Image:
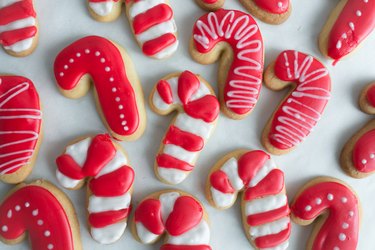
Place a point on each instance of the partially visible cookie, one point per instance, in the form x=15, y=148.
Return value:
x=335, y=210
x=42, y=211
x=105, y=10
x=358, y=155
x=175, y=214
x=269, y=11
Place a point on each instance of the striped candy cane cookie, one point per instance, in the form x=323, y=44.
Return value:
x=118, y=92
x=18, y=27
x=334, y=208
x=240, y=73
x=177, y=214
x=110, y=178
x=198, y=110
x=44, y=213
x=301, y=110
x=265, y=209
x=20, y=128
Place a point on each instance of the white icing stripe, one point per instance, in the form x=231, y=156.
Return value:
x=222, y=200
x=142, y=6
x=194, y=126
x=18, y=24
x=157, y=31
x=109, y=234
x=230, y=167
x=65, y=181
x=274, y=227
x=78, y=151
x=198, y=235
x=102, y=8
x=269, y=165
x=174, y=176
x=144, y=235
x=167, y=201
x=168, y=51
x=5, y=3
x=103, y=204
x=180, y=153
x=20, y=45
x=266, y=204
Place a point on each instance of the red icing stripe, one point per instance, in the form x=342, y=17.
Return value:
x=370, y=96
x=165, y=91
x=273, y=240
x=100, y=220
x=16, y=11
x=149, y=214
x=8, y=38
x=273, y=183
x=67, y=165
x=154, y=16
x=267, y=217
x=156, y=45
x=186, y=140
x=188, y=84
x=167, y=161
x=219, y=180
x=115, y=183
x=250, y=163
x=206, y=108
x=185, y=247
x=187, y=213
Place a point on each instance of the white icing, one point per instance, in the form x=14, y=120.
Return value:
x=269, y=165
x=65, y=181
x=102, y=8
x=157, y=31
x=78, y=151
x=108, y=234
x=21, y=45
x=274, y=227
x=230, y=167
x=145, y=235
x=198, y=235
x=5, y=3
x=180, y=153
x=167, y=201
x=117, y=162
x=142, y=6
x=168, y=51
x=221, y=199
x=18, y=24
x=174, y=176
x=103, y=204
x=266, y=204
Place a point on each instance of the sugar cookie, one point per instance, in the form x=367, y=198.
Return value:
x=210, y=5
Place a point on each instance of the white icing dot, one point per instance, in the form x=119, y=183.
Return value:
x=102, y=60
x=372, y=156
x=330, y=197
x=351, y=25
x=87, y=51
x=66, y=67
x=289, y=100
x=358, y=13
x=351, y=213
x=107, y=69
x=1, y=81
x=9, y=214
x=35, y=212
x=123, y=123
x=339, y=45
x=120, y=107
x=344, y=200
x=111, y=79
x=78, y=54
x=71, y=60
x=298, y=116
x=27, y=204
x=117, y=99
x=122, y=116
x=61, y=74
x=345, y=225
x=40, y=222
x=114, y=89
x=318, y=201
x=47, y=233
x=344, y=36
x=126, y=128
x=280, y=4
x=17, y=208
x=50, y=246
x=308, y=208
x=366, y=1
x=336, y=248
x=97, y=53
x=4, y=228
x=364, y=161
x=342, y=237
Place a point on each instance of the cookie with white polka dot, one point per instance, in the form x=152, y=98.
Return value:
x=42, y=211
x=335, y=210
x=358, y=156
x=117, y=89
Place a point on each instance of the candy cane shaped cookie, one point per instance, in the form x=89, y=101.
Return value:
x=265, y=209
x=105, y=165
x=105, y=10
x=234, y=38
x=153, y=26
x=198, y=110
x=118, y=91
x=269, y=11
x=300, y=111
x=42, y=211
x=174, y=213
x=358, y=156
x=20, y=128
x=210, y=5
x=348, y=25
x=335, y=210
x=18, y=27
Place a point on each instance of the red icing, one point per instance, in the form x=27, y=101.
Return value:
x=104, y=219
x=154, y=16
x=149, y=214
x=370, y=95
x=243, y=81
x=67, y=165
x=354, y=23
x=274, y=239
x=167, y=161
x=165, y=91
x=250, y=163
x=273, y=183
x=156, y=45
x=20, y=122
x=343, y=214
x=364, y=153
x=273, y=6
x=186, y=140
x=210, y=1
x=220, y=181
x=301, y=110
x=21, y=211
x=273, y=215
x=101, y=59
x=185, y=247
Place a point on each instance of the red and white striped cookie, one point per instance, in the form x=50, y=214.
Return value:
x=18, y=27
x=179, y=215
x=198, y=110
x=153, y=25
x=264, y=202
x=110, y=178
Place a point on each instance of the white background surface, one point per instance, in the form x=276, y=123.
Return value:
x=62, y=22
